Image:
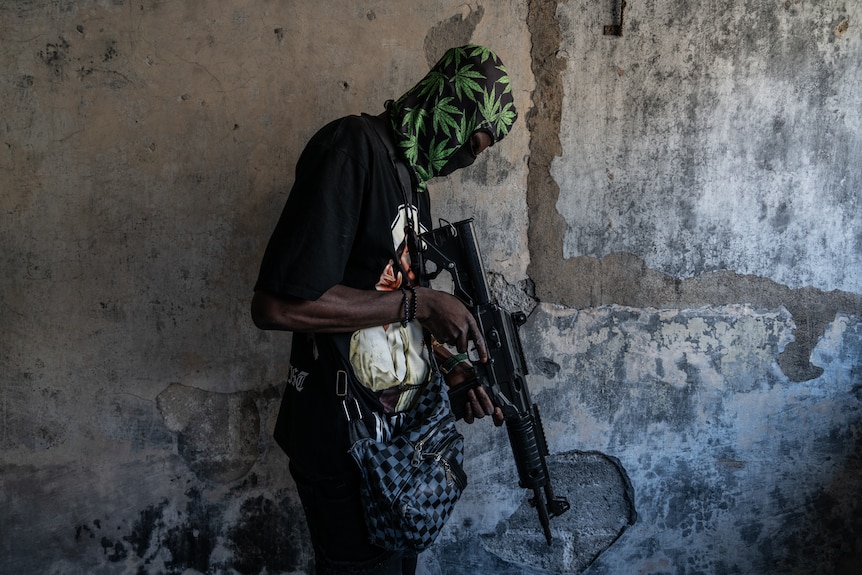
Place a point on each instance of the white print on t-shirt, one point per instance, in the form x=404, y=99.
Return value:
x=296, y=378
x=392, y=355
x=405, y=212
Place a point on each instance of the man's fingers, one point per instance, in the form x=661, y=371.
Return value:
x=479, y=405
x=461, y=342
x=478, y=340
x=452, y=323
x=499, y=419
x=468, y=414
x=475, y=405
x=474, y=412
x=484, y=401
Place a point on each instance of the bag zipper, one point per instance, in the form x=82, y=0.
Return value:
x=420, y=445
x=437, y=457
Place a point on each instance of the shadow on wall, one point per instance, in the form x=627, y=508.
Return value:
x=830, y=521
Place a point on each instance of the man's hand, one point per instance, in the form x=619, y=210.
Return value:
x=479, y=405
x=449, y=321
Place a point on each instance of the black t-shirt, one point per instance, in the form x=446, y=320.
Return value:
x=343, y=223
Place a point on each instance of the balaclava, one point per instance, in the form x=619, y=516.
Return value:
x=466, y=91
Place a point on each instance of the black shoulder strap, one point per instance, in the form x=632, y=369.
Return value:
x=379, y=125
x=400, y=167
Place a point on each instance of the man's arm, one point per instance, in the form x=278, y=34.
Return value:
x=340, y=309
x=345, y=309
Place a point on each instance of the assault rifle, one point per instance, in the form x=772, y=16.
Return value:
x=453, y=248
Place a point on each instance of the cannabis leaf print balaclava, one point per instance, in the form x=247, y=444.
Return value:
x=466, y=91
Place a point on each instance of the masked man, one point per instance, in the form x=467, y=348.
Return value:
x=337, y=273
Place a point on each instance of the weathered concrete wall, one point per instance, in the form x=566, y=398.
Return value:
x=683, y=200
x=695, y=182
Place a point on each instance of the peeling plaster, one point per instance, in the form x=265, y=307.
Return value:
x=734, y=467
x=625, y=278
x=217, y=434
x=602, y=510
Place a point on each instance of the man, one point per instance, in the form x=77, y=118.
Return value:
x=337, y=272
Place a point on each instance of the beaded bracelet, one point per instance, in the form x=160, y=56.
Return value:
x=406, y=319
x=412, y=302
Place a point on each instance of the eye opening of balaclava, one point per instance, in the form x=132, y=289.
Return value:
x=463, y=156
x=467, y=91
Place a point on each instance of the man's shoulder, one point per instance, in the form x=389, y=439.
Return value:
x=349, y=137
x=347, y=131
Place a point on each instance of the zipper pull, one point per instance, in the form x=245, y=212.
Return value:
x=448, y=469
x=417, y=453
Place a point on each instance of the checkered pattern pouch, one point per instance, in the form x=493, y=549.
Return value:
x=411, y=483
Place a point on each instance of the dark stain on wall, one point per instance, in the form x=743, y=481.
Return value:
x=189, y=541
x=623, y=278
x=55, y=56
x=110, y=51
x=114, y=551
x=546, y=229
x=825, y=530
x=149, y=520
x=266, y=537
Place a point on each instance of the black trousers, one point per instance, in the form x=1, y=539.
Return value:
x=336, y=522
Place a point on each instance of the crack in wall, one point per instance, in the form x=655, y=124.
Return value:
x=622, y=278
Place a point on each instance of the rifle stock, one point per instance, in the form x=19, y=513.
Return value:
x=453, y=248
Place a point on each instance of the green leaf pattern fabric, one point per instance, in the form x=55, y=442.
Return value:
x=466, y=91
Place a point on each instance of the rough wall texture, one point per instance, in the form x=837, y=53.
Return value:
x=735, y=468
x=683, y=200
x=702, y=159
